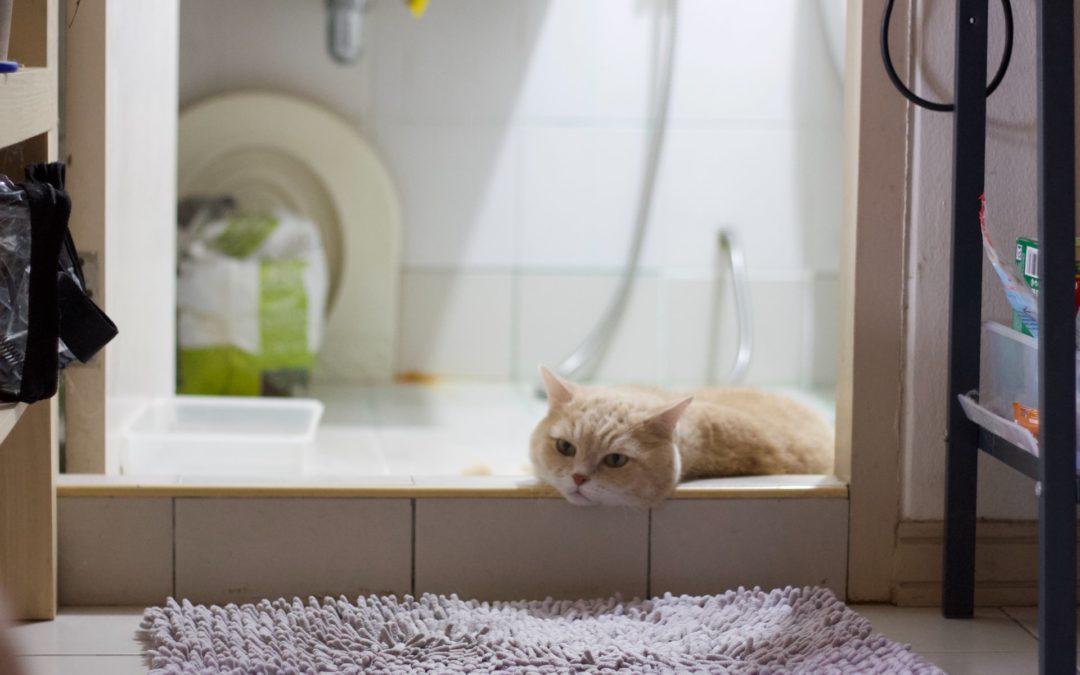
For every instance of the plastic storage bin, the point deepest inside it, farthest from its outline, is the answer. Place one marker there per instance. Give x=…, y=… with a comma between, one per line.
x=1012, y=370
x=221, y=436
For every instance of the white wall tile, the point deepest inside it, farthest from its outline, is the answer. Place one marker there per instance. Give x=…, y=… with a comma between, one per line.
x=240, y=550
x=557, y=312
x=514, y=131
x=823, y=330
x=461, y=61
x=459, y=187
x=514, y=548
x=456, y=324
x=712, y=545
x=767, y=185
x=700, y=330
x=587, y=60
x=753, y=62
x=114, y=551
x=277, y=45
x=580, y=190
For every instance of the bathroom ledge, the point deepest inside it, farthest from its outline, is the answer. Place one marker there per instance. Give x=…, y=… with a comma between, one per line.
x=419, y=487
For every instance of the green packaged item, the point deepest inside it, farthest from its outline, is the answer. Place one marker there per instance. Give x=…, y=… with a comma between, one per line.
x=1027, y=263
x=251, y=295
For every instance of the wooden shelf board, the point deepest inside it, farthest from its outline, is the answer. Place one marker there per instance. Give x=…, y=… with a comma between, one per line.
x=28, y=104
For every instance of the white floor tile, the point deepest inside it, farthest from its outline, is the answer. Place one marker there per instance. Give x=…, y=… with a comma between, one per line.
x=83, y=665
x=985, y=663
x=345, y=450
x=927, y=631
x=102, y=641
x=81, y=631
x=345, y=404
x=1029, y=618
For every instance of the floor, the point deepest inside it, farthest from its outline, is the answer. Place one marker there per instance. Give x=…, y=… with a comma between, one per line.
x=425, y=430
x=997, y=641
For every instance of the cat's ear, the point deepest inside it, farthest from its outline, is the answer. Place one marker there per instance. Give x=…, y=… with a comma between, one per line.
x=559, y=391
x=665, y=419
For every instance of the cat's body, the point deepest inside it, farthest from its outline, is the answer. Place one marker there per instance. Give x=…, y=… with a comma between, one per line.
x=632, y=445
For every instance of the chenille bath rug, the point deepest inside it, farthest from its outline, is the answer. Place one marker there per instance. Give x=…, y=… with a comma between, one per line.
x=790, y=630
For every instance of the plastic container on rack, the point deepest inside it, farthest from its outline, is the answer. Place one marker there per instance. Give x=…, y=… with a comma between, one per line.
x=1012, y=374
x=221, y=436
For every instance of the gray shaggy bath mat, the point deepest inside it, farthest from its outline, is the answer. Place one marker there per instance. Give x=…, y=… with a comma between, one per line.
x=791, y=630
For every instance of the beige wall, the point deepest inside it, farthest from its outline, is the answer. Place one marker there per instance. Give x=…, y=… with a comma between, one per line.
x=1011, y=190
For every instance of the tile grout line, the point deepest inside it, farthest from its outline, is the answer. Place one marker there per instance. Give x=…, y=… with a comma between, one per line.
x=1018, y=622
x=412, y=550
x=648, y=557
x=173, y=502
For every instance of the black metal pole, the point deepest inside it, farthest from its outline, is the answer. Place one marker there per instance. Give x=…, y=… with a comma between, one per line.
x=965, y=314
x=1057, y=339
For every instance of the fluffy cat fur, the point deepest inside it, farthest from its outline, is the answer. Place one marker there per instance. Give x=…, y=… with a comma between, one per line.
x=659, y=438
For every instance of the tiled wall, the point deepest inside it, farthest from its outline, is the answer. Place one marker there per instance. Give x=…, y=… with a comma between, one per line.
x=139, y=551
x=515, y=132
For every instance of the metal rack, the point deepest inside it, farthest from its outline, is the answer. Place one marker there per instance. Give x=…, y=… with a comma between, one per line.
x=1055, y=467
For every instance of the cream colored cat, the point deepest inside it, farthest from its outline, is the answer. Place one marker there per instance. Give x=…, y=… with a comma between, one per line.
x=630, y=446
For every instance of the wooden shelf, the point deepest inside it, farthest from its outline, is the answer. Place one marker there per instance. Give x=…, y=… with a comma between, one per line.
x=28, y=104
x=8, y=417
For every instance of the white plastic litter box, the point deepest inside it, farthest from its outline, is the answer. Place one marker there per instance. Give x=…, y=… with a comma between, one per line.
x=221, y=436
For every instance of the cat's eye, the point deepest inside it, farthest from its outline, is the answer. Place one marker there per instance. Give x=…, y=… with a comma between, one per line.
x=615, y=460
x=565, y=448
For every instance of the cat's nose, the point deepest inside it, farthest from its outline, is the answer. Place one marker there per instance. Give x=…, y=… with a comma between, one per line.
x=580, y=479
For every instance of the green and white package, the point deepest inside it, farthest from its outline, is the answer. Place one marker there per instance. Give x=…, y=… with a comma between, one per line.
x=251, y=298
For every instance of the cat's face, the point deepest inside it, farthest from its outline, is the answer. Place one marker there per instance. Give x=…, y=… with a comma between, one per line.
x=604, y=446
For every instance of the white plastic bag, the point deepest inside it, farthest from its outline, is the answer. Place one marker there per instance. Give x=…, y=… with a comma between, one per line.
x=251, y=299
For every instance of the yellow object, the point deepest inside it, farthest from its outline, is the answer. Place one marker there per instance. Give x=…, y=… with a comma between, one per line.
x=417, y=7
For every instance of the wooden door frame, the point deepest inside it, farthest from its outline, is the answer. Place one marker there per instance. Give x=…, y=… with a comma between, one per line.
x=871, y=362
x=871, y=344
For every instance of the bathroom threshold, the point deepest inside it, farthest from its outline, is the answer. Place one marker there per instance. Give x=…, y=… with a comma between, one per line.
x=419, y=487
x=450, y=438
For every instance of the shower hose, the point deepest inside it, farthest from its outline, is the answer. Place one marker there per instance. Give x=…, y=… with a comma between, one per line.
x=582, y=362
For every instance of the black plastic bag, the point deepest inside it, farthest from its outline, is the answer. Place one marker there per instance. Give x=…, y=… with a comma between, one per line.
x=46, y=318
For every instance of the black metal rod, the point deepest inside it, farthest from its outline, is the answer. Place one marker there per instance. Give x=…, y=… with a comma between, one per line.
x=1007, y=453
x=965, y=315
x=1057, y=339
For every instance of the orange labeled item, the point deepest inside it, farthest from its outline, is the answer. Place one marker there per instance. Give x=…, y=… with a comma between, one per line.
x=1026, y=417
